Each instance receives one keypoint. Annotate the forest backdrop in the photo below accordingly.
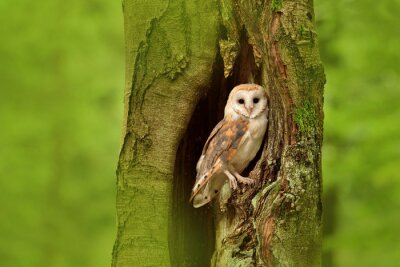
(61, 92)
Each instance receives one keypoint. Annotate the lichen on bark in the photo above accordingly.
(278, 223)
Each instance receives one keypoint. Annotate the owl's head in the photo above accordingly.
(246, 101)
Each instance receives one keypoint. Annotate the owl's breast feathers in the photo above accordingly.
(220, 148)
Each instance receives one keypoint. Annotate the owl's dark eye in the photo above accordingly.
(241, 101)
(255, 100)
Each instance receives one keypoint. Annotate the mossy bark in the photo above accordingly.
(183, 57)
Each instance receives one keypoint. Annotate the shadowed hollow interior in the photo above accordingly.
(192, 231)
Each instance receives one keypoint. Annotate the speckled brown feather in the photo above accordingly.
(220, 148)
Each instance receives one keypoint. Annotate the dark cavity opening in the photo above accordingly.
(192, 231)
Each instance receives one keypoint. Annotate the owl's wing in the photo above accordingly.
(220, 148)
(210, 137)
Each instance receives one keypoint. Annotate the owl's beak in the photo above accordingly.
(250, 109)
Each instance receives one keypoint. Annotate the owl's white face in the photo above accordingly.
(248, 101)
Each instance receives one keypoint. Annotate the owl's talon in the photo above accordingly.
(232, 180)
(244, 180)
(233, 184)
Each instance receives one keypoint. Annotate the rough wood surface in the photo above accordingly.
(278, 223)
(170, 46)
(183, 57)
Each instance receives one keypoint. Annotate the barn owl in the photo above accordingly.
(232, 144)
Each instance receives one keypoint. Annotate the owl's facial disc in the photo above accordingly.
(250, 104)
(247, 101)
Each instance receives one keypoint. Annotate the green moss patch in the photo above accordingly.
(276, 5)
(305, 117)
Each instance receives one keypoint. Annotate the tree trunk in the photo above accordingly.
(183, 58)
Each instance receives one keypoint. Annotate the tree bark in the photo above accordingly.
(183, 58)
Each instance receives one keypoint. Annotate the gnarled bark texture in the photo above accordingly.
(183, 58)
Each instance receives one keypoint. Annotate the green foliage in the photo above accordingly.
(61, 77)
(361, 153)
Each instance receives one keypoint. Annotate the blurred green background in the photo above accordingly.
(61, 79)
(61, 91)
(360, 48)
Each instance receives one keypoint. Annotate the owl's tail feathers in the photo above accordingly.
(202, 179)
(201, 198)
(209, 191)
(199, 187)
